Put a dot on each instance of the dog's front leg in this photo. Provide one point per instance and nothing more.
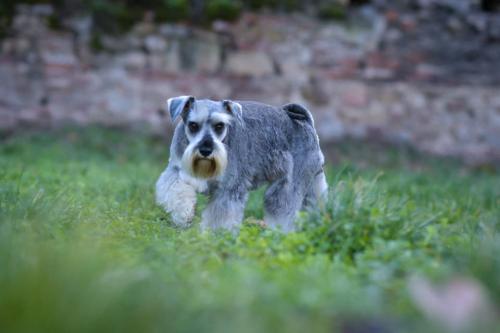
(224, 210)
(176, 195)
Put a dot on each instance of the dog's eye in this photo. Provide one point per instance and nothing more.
(193, 127)
(219, 127)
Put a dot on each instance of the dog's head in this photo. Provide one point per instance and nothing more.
(206, 126)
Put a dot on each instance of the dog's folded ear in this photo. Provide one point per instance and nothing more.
(234, 109)
(180, 106)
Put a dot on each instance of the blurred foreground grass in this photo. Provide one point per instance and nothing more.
(84, 248)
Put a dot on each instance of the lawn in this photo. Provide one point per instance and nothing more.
(83, 247)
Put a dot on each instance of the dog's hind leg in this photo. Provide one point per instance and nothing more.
(176, 196)
(281, 204)
(317, 192)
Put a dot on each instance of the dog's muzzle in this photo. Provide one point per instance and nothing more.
(206, 160)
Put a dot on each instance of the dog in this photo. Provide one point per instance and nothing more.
(225, 149)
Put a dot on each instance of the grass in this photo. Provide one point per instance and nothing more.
(83, 248)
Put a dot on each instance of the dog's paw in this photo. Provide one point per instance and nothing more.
(183, 216)
(178, 199)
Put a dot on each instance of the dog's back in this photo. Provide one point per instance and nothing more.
(276, 140)
(291, 123)
(289, 127)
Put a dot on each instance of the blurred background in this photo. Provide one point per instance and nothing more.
(423, 74)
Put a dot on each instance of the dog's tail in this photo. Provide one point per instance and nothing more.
(298, 112)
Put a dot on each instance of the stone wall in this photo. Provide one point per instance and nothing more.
(355, 84)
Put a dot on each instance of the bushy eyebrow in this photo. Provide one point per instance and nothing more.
(220, 118)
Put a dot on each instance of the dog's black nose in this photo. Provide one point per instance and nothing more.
(206, 146)
(205, 151)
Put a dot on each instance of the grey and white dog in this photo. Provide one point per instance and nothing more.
(225, 149)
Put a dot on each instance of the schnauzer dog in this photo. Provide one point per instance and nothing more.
(225, 149)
